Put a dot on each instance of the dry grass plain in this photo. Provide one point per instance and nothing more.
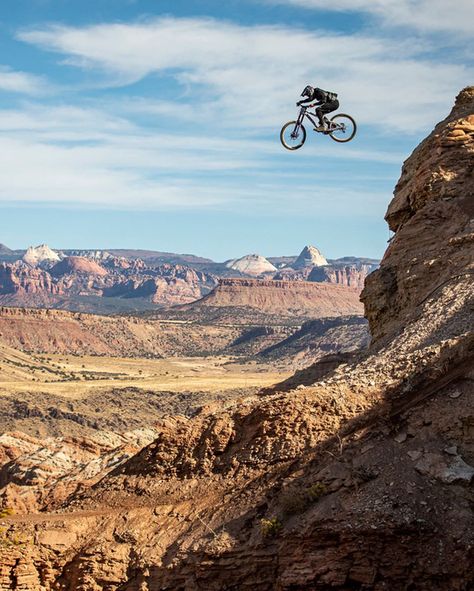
(78, 376)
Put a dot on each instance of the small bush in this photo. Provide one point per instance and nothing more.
(316, 491)
(270, 527)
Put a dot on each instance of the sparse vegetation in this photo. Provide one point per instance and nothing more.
(316, 491)
(270, 528)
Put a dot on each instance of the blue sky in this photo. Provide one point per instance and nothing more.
(154, 124)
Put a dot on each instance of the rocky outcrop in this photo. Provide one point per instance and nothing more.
(80, 265)
(20, 279)
(432, 215)
(79, 283)
(349, 275)
(35, 472)
(310, 256)
(251, 264)
(40, 254)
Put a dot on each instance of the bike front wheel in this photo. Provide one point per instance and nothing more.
(292, 135)
(344, 128)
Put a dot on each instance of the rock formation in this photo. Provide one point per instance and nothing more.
(349, 275)
(74, 264)
(289, 298)
(432, 215)
(57, 331)
(311, 257)
(80, 283)
(39, 254)
(35, 472)
(251, 264)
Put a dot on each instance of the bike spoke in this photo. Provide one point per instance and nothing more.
(343, 128)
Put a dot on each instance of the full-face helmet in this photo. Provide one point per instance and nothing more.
(308, 91)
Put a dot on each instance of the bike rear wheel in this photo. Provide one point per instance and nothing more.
(345, 130)
(292, 135)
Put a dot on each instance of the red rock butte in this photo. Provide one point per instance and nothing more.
(281, 297)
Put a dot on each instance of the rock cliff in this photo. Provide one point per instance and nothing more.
(432, 216)
(36, 255)
(349, 275)
(296, 298)
(81, 283)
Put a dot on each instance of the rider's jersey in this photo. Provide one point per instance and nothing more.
(322, 96)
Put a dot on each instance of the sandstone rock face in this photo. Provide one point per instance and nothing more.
(432, 215)
(80, 265)
(251, 264)
(70, 282)
(39, 254)
(310, 256)
(35, 472)
(297, 298)
(19, 278)
(349, 275)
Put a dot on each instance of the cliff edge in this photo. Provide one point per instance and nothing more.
(432, 216)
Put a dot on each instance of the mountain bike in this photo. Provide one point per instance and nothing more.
(341, 128)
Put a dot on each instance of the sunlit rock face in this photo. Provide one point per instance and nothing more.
(432, 215)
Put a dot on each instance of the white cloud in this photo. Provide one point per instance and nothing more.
(424, 15)
(217, 145)
(250, 76)
(20, 82)
(88, 156)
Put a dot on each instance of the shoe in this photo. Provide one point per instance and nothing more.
(320, 128)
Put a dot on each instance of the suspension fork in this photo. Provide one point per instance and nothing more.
(298, 123)
(301, 115)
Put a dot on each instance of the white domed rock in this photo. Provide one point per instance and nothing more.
(251, 264)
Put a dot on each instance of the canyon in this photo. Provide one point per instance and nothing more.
(107, 283)
(355, 473)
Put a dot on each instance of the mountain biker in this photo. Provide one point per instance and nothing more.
(326, 103)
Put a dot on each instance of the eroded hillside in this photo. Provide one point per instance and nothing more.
(359, 481)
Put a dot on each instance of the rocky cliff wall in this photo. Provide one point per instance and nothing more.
(284, 297)
(432, 216)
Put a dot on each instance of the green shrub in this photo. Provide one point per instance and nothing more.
(270, 527)
(316, 491)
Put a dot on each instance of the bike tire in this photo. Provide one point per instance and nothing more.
(353, 125)
(283, 140)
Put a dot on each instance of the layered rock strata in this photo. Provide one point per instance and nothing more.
(432, 216)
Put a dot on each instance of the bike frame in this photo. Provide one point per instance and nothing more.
(303, 114)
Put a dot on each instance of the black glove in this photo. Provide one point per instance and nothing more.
(299, 103)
